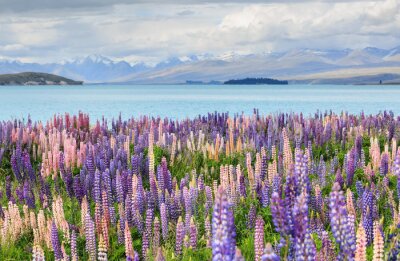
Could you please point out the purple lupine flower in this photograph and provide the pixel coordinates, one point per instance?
(396, 170)
(90, 237)
(128, 211)
(77, 188)
(153, 194)
(74, 249)
(265, 194)
(340, 224)
(384, 168)
(28, 195)
(290, 199)
(147, 231)
(28, 166)
(276, 184)
(15, 166)
(137, 218)
(140, 196)
(120, 191)
(8, 189)
(193, 234)
(97, 188)
(136, 256)
(180, 235)
(200, 183)
(242, 186)
(359, 187)
(367, 218)
(259, 238)
(304, 245)
(58, 255)
(339, 178)
(251, 217)
(223, 228)
(164, 221)
(2, 150)
(350, 168)
(279, 214)
(156, 233)
(207, 231)
(327, 251)
(269, 254)
(209, 199)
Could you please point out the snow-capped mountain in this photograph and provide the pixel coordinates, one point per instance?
(207, 67)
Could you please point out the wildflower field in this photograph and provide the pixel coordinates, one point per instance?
(216, 187)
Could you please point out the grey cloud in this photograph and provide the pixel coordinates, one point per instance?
(186, 12)
(35, 5)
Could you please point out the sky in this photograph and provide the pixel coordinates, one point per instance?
(151, 31)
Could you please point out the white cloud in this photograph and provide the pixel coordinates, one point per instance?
(152, 32)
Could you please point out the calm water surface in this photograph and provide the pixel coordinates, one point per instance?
(181, 101)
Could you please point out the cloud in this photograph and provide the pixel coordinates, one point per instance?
(152, 32)
(24, 5)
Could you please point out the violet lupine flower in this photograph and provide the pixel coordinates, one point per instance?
(367, 219)
(147, 231)
(90, 237)
(304, 245)
(77, 188)
(327, 251)
(180, 235)
(339, 178)
(265, 194)
(58, 255)
(276, 184)
(28, 166)
(2, 150)
(200, 183)
(259, 238)
(396, 170)
(223, 228)
(97, 188)
(156, 233)
(384, 168)
(9, 195)
(301, 172)
(28, 195)
(128, 211)
(209, 199)
(74, 249)
(137, 219)
(207, 231)
(136, 256)
(15, 163)
(339, 223)
(119, 188)
(350, 168)
(193, 234)
(164, 221)
(269, 254)
(251, 217)
(279, 214)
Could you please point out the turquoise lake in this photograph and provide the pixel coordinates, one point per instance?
(181, 101)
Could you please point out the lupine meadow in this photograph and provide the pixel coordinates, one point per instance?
(216, 187)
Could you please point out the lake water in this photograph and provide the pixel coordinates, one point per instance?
(181, 101)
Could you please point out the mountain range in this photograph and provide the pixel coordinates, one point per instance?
(368, 65)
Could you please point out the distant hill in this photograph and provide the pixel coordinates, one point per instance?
(293, 65)
(34, 78)
(256, 81)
